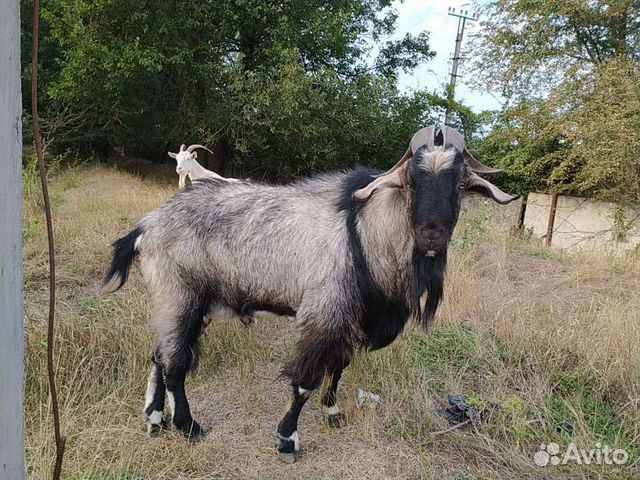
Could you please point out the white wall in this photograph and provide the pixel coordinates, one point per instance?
(581, 224)
(11, 313)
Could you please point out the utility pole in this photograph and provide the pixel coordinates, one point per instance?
(463, 16)
(11, 311)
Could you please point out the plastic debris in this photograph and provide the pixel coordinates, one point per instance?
(460, 412)
(363, 397)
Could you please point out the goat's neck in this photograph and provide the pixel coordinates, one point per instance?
(387, 238)
(197, 171)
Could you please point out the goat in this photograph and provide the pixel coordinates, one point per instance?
(350, 254)
(188, 166)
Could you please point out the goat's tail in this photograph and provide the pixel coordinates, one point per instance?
(125, 251)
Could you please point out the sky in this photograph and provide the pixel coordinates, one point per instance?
(414, 16)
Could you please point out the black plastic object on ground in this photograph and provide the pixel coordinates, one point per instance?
(460, 412)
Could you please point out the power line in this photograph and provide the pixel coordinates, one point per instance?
(463, 16)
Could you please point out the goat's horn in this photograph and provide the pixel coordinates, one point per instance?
(193, 147)
(183, 147)
(421, 138)
(476, 166)
(450, 136)
(454, 138)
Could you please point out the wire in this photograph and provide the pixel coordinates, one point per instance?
(59, 439)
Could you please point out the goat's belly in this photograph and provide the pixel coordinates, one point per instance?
(246, 309)
(250, 308)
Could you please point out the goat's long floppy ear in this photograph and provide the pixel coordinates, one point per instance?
(454, 138)
(393, 178)
(487, 189)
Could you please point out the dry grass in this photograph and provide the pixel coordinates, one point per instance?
(553, 340)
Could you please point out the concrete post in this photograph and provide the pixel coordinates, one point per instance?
(11, 306)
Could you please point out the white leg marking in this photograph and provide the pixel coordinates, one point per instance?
(155, 418)
(151, 387)
(296, 440)
(334, 410)
(172, 404)
(292, 438)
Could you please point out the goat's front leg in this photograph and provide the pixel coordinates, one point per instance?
(288, 440)
(330, 401)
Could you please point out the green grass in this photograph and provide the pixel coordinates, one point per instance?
(562, 367)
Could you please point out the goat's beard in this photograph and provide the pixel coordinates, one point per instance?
(428, 276)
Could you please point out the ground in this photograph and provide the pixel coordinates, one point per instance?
(551, 340)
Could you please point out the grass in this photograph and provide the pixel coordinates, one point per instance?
(552, 340)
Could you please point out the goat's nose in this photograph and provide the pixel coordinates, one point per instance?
(431, 231)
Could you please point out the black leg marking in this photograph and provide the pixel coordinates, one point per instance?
(179, 355)
(181, 413)
(288, 439)
(317, 353)
(329, 401)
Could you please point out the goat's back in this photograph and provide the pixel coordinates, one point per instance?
(268, 243)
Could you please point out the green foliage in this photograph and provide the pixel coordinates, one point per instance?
(526, 48)
(471, 231)
(570, 73)
(278, 88)
(621, 228)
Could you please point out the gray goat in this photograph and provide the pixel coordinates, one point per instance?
(350, 254)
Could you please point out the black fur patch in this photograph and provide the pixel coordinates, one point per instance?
(190, 328)
(383, 317)
(315, 356)
(428, 274)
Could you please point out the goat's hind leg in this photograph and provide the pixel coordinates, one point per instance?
(179, 348)
(154, 400)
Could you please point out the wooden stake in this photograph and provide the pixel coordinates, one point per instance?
(552, 218)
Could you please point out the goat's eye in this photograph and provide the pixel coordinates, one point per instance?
(462, 185)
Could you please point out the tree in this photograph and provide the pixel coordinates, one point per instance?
(279, 88)
(526, 48)
(569, 71)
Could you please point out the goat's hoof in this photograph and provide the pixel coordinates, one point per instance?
(154, 430)
(288, 447)
(336, 420)
(156, 425)
(196, 433)
(287, 457)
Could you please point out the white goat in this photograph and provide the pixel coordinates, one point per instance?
(189, 166)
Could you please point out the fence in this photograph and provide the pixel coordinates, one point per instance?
(583, 224)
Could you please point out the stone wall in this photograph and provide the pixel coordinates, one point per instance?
(583, 224)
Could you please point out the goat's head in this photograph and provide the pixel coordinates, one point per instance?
(186, 158)
(436, 174)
